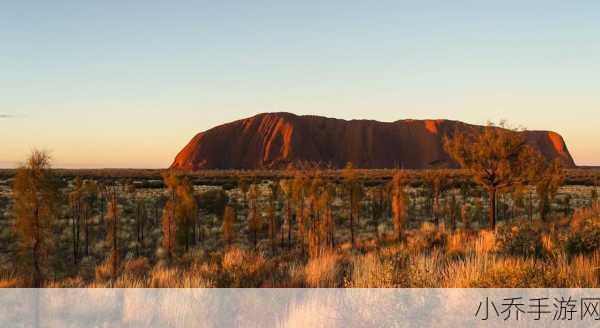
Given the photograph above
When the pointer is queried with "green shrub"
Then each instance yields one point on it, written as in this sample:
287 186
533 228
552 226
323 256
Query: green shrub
213 201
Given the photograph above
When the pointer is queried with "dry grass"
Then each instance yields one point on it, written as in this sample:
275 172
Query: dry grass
429 256
370 271
323 271
9 281
485 243
584 214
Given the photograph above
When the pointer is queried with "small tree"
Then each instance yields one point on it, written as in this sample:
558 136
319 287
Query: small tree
169 227
141 216
518 202
76 204
498 158
399 206
244 185
186 213
286 188
113 220
179 214
550 177
254 221
438 183
355 192
36 206
453 209
271 214
228 225
299 184
465 215
139 209
327 224
90 200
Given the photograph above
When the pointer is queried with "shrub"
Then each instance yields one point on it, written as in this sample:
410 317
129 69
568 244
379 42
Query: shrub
511 273
520 240
87 268
104 271
369 271
213 201
585 240
456 247
584 237
427 237
137 268
243 269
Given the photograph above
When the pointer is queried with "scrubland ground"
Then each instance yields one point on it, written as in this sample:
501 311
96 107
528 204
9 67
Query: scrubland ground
563 251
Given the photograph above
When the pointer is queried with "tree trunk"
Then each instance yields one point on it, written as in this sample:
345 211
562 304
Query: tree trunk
332 229
352 220
492 209
115 251
37 270
530 208
543 208
86 231
272 233
187 237
436 209
289 237
74 236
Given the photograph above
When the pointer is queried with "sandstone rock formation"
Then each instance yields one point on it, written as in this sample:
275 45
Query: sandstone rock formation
275 140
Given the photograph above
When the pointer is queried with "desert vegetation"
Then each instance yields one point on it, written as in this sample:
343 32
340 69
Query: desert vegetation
509 218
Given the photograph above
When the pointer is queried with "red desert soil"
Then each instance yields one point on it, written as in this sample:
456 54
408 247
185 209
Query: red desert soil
274 140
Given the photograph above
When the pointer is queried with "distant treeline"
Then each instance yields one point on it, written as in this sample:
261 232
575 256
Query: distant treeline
151 178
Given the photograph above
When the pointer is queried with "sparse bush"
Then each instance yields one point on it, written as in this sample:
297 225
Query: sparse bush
428 237
243 269
584 235
213 201
424 270
584 241
86 268
370 271
456 247
510 273
137 268
520 240
105 271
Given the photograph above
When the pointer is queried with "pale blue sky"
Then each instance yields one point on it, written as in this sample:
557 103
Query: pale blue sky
128 83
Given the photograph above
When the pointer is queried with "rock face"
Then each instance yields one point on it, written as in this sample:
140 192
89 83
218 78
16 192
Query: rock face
274 140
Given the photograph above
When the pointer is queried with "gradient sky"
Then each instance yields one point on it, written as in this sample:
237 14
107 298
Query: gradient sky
128 83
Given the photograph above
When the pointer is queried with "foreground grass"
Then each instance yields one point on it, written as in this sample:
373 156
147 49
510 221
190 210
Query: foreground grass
560 254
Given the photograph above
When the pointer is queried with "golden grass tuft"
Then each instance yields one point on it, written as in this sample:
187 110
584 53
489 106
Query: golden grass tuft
9 283
137 268
485 243
424 270
323 271
370 271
